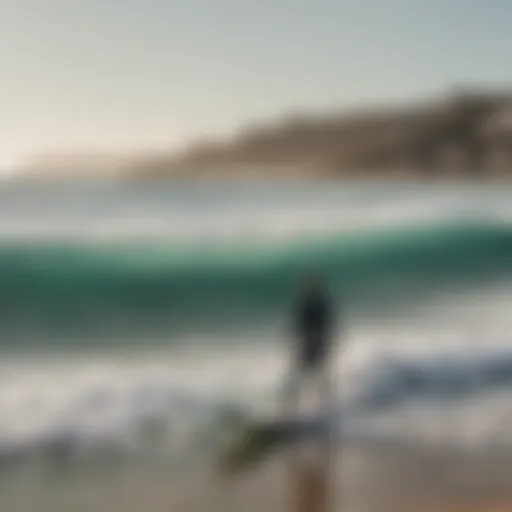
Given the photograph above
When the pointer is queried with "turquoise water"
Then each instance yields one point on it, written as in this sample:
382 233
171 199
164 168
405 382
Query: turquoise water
53 288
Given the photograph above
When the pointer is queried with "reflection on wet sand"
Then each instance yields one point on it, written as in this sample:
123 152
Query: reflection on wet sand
376 479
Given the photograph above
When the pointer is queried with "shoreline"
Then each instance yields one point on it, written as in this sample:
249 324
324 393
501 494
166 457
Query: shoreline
366 480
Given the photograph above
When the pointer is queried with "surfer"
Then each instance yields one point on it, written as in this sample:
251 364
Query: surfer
312 332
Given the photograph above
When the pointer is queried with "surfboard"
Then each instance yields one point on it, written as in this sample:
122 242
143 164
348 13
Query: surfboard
257 439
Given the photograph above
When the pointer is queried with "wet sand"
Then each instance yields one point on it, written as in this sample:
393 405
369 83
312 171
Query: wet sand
366 480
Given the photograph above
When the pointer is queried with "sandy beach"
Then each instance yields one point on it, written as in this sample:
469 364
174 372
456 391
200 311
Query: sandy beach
382 480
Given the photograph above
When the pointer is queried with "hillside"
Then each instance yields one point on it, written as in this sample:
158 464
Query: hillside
464 132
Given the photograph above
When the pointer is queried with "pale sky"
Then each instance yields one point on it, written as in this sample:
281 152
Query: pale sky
116 75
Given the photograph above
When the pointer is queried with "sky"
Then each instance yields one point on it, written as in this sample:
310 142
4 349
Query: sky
144 75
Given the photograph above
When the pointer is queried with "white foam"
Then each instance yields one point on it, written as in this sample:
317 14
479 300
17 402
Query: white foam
401 384
147 216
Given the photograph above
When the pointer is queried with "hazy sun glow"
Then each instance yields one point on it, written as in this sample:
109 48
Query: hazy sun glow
9 160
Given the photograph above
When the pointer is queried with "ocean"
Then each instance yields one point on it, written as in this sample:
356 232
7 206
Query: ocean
135 315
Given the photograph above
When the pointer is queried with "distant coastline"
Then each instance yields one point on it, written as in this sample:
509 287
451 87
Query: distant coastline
463 133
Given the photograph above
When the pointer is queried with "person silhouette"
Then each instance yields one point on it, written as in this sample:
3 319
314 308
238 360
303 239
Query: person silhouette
312 332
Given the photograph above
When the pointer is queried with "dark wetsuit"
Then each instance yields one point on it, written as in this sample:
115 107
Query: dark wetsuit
313 321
